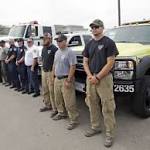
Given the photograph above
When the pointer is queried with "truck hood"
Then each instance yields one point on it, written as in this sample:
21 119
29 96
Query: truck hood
133 49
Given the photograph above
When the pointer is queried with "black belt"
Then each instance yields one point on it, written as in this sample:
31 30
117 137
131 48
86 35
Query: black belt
45 70
62 77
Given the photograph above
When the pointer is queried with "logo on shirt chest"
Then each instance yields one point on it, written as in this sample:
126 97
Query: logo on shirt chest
100 47
49 51
62 57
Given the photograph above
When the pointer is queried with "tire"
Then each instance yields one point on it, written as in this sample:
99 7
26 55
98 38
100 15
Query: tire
141 101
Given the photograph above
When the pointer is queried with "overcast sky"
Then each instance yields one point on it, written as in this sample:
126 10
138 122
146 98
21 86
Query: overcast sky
66 12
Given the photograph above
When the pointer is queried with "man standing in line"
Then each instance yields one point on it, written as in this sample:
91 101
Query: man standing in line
64 87
99 58
31 61
4 69
21 68
11 61
1 81
48 53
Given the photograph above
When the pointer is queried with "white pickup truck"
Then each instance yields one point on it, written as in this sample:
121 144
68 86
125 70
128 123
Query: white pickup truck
35 30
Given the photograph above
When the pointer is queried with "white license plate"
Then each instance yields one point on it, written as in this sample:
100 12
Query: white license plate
124 88
80 86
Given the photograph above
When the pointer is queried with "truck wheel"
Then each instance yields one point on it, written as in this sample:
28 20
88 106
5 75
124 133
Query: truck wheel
141 102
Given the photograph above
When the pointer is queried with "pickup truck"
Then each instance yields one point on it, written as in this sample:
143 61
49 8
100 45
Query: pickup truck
132 67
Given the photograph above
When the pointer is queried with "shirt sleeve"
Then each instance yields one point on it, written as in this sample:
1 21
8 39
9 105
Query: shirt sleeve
85 51
112 49
54 63
72 58
55 49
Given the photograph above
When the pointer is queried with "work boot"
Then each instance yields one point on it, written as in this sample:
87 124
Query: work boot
36 95
59 117
108 141
53 113
12 87
24 92
20 90
30 92
73 125
7 84
46 108
91 132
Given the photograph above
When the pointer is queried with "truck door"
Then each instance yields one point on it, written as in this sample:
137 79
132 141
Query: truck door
33 31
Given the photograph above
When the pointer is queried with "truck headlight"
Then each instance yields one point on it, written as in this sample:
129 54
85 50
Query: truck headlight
121 65
124 70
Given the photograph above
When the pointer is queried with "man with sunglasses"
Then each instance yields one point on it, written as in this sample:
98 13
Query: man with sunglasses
64 88
99 58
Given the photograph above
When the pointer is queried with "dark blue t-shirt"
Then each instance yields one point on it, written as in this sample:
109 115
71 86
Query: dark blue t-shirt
98 51
48 54
21 52
12 51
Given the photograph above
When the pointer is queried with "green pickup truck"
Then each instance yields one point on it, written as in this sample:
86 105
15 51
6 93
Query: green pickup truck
132 66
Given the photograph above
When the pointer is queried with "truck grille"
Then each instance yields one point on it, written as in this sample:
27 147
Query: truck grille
79 65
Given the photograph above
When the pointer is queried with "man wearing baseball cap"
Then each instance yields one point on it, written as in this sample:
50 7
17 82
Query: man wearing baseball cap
99 58
97 23
64 88
21 68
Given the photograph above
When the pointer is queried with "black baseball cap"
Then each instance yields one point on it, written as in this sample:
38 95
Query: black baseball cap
60 37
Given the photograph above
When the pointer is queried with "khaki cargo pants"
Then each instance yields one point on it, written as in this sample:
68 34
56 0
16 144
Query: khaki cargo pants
66 99
48 90
101 96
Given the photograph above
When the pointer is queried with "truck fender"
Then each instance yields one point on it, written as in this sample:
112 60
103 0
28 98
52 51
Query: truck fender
143 67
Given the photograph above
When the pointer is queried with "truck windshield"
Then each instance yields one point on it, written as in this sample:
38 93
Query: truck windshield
17 31
131 34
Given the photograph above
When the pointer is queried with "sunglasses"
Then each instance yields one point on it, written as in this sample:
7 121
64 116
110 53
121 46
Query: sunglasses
94 27
29 42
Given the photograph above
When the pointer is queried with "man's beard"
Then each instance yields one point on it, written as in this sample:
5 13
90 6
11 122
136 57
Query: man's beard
46 44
